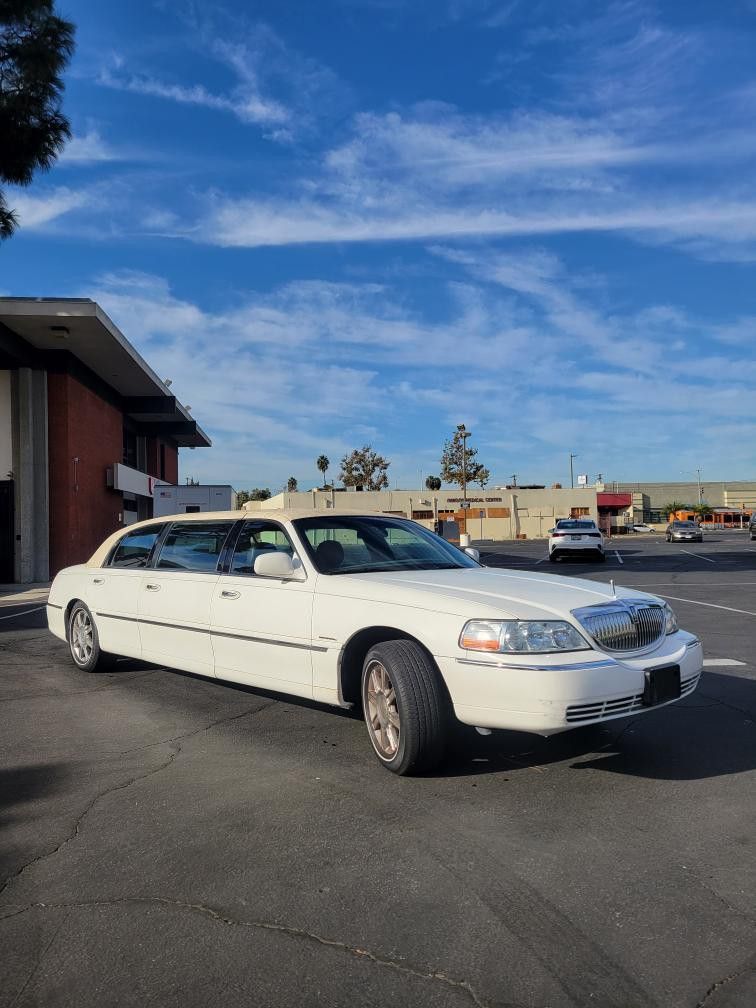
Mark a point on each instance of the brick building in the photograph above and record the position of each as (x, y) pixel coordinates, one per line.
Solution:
(86, 431)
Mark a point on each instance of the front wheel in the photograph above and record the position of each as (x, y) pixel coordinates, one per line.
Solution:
(84, 642)
(405, 707)
(602, 556)
(552, 557)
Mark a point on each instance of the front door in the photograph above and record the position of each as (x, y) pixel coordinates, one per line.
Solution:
(176, 593)
(7, 538)
(262, 627)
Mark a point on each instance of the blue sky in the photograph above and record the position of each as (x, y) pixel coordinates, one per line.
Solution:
(364, 221)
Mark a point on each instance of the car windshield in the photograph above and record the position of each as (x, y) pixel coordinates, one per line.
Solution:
(576, 525)
(684, 524)
(355, 545)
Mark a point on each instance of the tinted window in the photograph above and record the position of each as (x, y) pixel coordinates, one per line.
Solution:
(256, 538)
(135, 548)
(193, 546)
(346, 545)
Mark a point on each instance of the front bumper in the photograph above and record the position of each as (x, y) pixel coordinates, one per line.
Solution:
(547, 694)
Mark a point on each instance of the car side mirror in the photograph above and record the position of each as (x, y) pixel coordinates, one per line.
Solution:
(474, 553)
(278, 565)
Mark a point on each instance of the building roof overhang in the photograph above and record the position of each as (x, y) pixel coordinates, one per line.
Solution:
(34, 330)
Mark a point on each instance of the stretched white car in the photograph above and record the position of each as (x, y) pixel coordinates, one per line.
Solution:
(377, 613)
(576, 537)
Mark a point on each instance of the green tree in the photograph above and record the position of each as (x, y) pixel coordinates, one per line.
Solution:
(433, 483)
(702, 509)
(363, 467)
(35, 47)
(322, 463)
(291, 485)
(242, 496)
(454, 452)
(259, 494)
(672, 507)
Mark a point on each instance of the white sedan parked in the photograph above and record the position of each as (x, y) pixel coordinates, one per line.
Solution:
(576, 536)
(374, 612)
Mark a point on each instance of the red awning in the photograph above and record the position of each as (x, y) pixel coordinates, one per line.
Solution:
(614, 500)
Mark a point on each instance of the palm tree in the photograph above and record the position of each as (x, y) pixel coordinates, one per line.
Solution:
(673, 507)
(322, 463)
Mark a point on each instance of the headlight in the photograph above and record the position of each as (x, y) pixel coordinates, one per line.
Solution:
(670, 619)
(521, 636)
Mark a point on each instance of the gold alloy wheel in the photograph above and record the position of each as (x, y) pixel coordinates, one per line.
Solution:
(382, 711)
(82, 637)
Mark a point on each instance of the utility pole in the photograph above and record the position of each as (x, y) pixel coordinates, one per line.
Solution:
(572, 480)
(514, 479)
(464, 434)
(700, 492)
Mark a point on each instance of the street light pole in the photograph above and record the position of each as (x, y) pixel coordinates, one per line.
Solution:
(464, 434)
(572, 480)
(698, 474)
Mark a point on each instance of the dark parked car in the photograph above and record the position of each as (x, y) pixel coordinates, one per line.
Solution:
(677, 531)
(752, 526)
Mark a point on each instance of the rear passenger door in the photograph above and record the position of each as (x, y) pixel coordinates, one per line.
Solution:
(262, 626)
(175, 596)
(114, 591)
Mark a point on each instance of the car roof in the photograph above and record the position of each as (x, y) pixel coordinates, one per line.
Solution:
(273, 514)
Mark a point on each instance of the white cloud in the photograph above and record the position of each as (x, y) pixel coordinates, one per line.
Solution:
(87, 149)
(245, 102)
(313, 366)
(45, 206)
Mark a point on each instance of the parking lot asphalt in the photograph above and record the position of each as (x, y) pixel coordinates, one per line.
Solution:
(169, 840)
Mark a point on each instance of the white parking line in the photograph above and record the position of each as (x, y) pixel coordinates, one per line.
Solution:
(717, 662)
(26, 612)
(619, 557)
(541, 561)
(698, 555)
(709, 605)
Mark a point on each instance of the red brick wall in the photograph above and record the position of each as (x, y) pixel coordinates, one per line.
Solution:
(80, 424)
(171, 459)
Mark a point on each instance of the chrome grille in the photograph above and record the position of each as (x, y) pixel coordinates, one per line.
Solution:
(623, 625)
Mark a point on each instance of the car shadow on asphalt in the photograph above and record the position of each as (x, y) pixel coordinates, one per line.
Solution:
(712, 733)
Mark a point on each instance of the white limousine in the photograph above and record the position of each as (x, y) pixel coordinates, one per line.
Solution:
(376, 612)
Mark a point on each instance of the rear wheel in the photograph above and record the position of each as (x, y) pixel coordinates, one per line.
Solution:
(601, 556)
(553, 557)
(84, 642)
(406, 709)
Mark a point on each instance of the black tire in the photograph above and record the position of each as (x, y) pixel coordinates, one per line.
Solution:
(553, 557)
(84, 641)
(602, 556)
(419, 699)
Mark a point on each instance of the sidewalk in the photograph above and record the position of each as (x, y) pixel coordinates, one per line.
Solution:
(18, 594)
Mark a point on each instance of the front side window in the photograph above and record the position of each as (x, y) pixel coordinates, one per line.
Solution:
(351, 545)
(193, 546)
(256, 538)
(134, 549)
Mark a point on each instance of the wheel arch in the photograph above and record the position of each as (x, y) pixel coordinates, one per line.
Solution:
(352, 658)
(67, 613)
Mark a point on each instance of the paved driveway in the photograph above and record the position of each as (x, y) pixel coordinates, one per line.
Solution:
(168, 840)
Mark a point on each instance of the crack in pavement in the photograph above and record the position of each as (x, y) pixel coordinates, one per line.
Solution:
(749, 714)
(723, 983)
(292, 932)
(39, 961)
(98, 689)
(175, 741)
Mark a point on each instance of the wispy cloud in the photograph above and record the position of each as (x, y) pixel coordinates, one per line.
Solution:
(87, 148)
(35, 211)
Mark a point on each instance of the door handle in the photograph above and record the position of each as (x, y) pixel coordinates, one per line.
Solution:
(151, 587)
(98, 580)
(230, 594)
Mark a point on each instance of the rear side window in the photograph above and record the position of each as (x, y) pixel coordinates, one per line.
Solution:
(134, 549)
(193, 546)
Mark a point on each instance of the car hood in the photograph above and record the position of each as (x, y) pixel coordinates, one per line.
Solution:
(484, 592)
